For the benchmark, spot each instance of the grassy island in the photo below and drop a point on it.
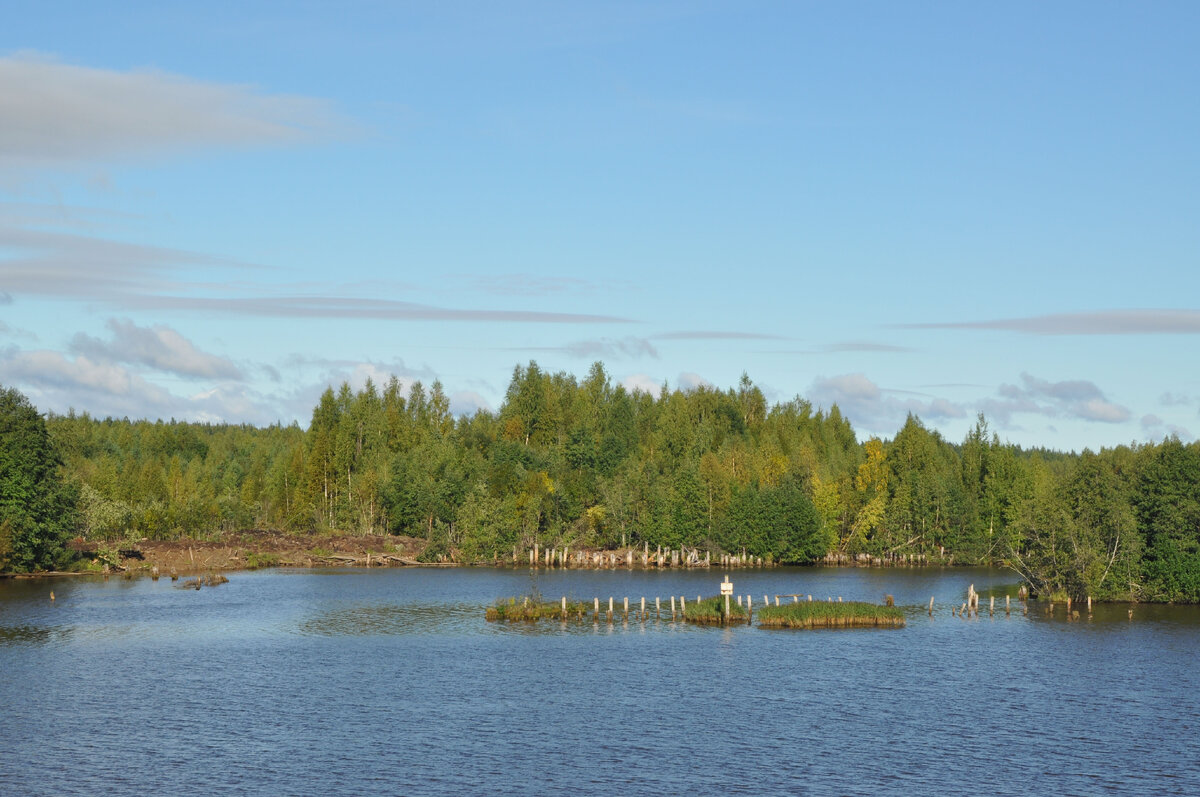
(514, 609)
(852, 614)
(711, 611)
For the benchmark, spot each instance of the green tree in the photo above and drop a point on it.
(37, 509)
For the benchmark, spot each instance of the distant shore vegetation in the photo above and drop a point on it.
(586, 463)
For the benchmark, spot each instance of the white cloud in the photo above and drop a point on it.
(874, 409)
(1077, 398)
(1156, 429)
(59, 383)
(690, 381)
(58, 114)
(468, 402)
(642, 383)
(158, 347)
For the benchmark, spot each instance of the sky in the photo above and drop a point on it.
(213, 211)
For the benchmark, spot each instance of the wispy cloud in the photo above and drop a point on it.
(59, 114)
(526, 284)
(713, 335)
(158, 347)
(130, 277)
(864, 346)
(1078, 399)
(605, 348)
(873, 408)
(1104, 322)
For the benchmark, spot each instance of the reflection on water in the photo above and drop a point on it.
(389, 619)
(25, 634)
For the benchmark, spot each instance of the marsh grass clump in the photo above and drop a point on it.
(514, 609)
(851, 614)
(711, 611)
(255, 560)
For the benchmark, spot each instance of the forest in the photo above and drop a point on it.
(587, 463)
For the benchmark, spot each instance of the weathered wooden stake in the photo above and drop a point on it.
(596, 608)
(682, 605)
(931, 606)
(776, 600)
(795, 599)
(739, 601)
(672, 607)
(657, 608)
(992, 605)
(626, 607)
(810, 598)
(1089, 604)
(610, 608)
(643, 607)
(564, 605)
(1007, 610)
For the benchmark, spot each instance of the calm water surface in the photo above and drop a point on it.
(391, 682)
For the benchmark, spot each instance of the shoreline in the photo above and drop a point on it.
(258, 549)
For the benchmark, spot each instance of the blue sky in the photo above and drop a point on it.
(212, 211)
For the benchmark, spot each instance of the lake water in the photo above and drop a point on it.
(390, 681)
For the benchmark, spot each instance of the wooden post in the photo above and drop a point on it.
(1007, 608)
(596, 607)
(532, 556)
(643, 607)
(739, 601)
(1089, 604)
(796, 598)
(682, 605)
(564, 605)
(626, 613)
(992, 606)
(810, 598)
(776, 600)
(610, 608)
(672, 607)
(657, 608)
(931, 606)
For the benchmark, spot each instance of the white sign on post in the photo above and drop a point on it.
(727, 587)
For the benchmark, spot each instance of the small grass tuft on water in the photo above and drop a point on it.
(851, 614)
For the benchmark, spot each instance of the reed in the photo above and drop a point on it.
(850, 614)
(711, 611)
(521, 609)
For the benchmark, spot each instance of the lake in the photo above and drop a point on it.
(390, 681)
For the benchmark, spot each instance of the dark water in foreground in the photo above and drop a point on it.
(391, 682)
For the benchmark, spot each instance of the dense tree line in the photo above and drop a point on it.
(588, 463)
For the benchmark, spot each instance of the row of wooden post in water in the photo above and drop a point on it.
(677, 609)
(677, 557)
